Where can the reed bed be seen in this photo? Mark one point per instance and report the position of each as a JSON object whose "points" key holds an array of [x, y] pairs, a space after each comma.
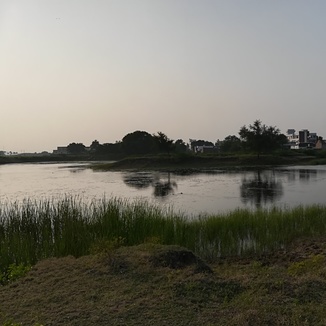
{"points": [[31, 231]]}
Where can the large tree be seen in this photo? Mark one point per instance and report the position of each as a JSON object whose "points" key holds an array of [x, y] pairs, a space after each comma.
{"points": [[259, 138], [76, 148], [138, 142]]}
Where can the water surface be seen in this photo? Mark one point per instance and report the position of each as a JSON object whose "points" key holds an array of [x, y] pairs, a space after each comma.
{"points": [[200, 193]]}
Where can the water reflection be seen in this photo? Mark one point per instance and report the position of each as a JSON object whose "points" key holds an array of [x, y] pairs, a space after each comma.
{"points": [[197, 191], [163, 188], [261, 188], [303, 175], [140, 180]]}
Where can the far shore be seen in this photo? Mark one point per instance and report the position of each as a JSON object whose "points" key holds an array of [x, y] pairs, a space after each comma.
{"points": [[165, 162], [202, 162]]}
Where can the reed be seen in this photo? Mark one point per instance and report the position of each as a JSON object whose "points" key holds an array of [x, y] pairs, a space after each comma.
{"points": [[31, 231]]}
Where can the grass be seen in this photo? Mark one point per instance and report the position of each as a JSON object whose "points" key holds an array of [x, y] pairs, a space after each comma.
{"points": [[127, 286], [32, 231]]}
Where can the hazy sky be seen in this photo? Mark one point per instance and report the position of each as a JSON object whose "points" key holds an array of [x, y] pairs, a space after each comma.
{"points": [[79, 70]]}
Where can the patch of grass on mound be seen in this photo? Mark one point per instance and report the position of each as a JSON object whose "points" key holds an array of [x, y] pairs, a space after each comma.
{"points": [[152, 284]]}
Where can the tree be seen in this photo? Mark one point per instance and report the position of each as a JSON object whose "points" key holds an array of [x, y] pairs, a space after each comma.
{"points": [[138, 142], [109, 148], [231, 144], [76, 148], [180, 146], [259, 137], [95, 145], [164, 144]]}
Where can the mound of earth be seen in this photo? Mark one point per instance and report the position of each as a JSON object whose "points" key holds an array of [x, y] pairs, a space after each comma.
{"points": [[117, 288], [169, 285]]}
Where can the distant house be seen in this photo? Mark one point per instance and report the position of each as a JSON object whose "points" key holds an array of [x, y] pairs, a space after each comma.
{"points": [[61, 150], [293, 139], [64, 150], [205, 149], [321, 144], [305, 139]]}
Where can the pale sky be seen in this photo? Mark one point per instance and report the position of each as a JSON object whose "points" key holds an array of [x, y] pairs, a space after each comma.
{"points": [[79, 70]]}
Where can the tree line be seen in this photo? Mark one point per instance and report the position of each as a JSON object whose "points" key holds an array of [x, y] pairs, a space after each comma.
{"points": [[256, 137]]}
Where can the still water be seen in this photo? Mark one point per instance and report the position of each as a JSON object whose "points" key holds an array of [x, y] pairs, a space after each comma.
{"points": [[193, 194]]}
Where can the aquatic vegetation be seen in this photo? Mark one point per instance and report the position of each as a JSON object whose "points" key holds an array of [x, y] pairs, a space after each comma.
{"points": [[31, 231]]}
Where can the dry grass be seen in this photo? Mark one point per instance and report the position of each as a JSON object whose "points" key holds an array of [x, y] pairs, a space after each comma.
{"points": [[162, 285]]}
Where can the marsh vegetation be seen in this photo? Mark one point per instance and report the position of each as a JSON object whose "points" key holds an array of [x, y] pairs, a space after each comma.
{"points": [[114, 261], [32, 231]]}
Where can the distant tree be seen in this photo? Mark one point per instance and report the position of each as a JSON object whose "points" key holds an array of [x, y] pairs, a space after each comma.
{"points": [[163, 143], [138, 142], [259, 137], [231, 144], [95, 145], [180, 146], [76, 148], [109, 148]]}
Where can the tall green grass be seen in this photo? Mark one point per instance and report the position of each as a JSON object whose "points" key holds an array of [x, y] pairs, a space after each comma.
{"points": [[31, 231]]}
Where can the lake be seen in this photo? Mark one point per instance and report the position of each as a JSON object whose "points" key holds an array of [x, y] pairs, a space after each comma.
{"points": [[198, 193]]}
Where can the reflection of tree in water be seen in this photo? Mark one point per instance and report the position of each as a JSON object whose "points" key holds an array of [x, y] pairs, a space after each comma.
{"points": [[139, 180], [306, 174], [142, 180], [164, 188], [77, 170], [261, 189]]}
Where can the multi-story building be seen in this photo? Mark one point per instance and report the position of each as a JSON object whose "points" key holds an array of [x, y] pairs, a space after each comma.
{"points": [[293, 139], [304, 139]]}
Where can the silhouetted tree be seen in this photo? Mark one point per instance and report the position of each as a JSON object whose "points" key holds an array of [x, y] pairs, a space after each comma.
{"points": [[180, 146], [164, 144], [95, 145], [259, 137], [76, 148], [138, 142], [109, 148]]}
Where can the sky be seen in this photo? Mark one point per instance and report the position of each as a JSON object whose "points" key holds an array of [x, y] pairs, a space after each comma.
{"points": [[80, 70]]}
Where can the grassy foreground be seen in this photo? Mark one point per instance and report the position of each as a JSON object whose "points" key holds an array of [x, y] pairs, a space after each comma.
{"points": [[32, 231], [156, 285], [144, 267]]}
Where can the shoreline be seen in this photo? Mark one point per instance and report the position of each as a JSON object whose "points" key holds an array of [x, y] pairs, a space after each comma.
{"points": [[200, 163]]}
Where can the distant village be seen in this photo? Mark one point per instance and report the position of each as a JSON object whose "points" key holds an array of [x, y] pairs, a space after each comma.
{"points": [[304, 139], [301, 140]]}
